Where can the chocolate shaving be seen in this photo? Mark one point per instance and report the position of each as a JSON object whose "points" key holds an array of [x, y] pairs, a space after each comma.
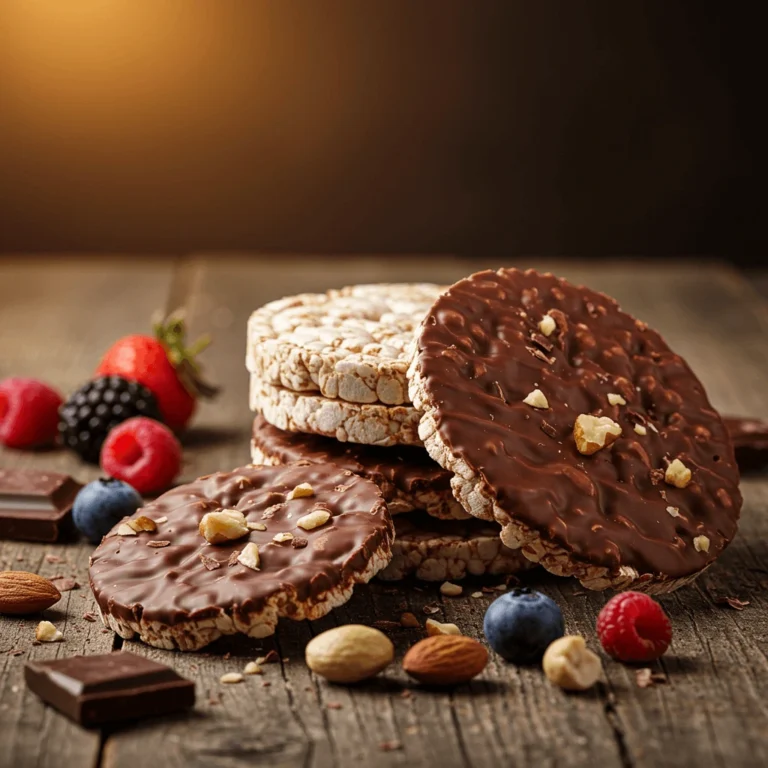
{"points": [[209, 563], [384, 624], [538, 353], [732, 602], [271, 658], [52, 559], [390, 746], [542, 341], [89, 616], [548, 430], [500, 391], [158, 544], [431, 609], [333, 705]]}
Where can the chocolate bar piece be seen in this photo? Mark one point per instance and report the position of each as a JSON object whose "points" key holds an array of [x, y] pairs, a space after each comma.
{"points": [[110, 687], [750, 440], [34, 505]]}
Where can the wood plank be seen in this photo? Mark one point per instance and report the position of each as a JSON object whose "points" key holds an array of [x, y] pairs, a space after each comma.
{"points": [[711, 712], [56, 318]]}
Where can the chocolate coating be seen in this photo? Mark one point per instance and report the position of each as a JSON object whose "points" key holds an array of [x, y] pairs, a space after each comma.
{"points": [[190, 579], [405, 468], [481, 352], [750, 439]]}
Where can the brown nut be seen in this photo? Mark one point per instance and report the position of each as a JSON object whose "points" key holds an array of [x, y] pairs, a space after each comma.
{"points": [[22, 592], [592, 433], [445, 660], [570, 664], [349, 653]]}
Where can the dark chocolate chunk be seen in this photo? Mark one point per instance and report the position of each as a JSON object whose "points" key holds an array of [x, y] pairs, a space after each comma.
{"points": [[750, 439], [598, 511], [109, 688], [36, 506]]}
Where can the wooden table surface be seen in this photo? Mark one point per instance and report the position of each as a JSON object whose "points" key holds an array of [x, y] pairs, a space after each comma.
{"points": [[59, 314]]}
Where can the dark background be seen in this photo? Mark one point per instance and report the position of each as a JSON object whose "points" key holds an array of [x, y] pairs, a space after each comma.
{"points": [[584, 128]]}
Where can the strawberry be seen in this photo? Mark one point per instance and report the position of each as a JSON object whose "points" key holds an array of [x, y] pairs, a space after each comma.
{"points": [[164, 366]]}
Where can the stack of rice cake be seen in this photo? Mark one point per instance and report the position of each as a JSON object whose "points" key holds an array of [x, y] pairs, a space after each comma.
{"points": [[328, 383]]}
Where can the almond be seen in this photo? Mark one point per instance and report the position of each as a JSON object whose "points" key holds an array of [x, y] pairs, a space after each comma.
{"points": [[445, 660], [349, 653], [23, 592]]}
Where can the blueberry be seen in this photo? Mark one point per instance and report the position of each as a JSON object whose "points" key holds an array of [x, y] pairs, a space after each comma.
{"points": [[101, 505], [521, 624]]}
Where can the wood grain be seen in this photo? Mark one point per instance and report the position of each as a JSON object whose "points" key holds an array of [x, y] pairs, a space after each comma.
{"points": [[56, 319], [711, 710]]}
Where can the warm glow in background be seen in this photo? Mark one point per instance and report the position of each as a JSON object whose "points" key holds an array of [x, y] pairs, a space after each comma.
{"points": [[418, 125]]}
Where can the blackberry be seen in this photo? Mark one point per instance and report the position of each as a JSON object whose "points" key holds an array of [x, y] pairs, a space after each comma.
{"points": [[87, 417]]}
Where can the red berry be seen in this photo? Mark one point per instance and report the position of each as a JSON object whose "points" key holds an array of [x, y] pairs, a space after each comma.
{"points": [[634, 627], [29, 413], [142, 452], [165, 366], [144, 359]]}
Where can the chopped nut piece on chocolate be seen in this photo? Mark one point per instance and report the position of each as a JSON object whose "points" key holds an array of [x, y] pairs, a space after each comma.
{"points": [[409, 620], [210, 563], [161, 520], [431, 609], [437, 628], [125, 530], [281, 538], [249, 557], [224, 525], [547, 325], [256, 527], [158, 544], [592, 433], [47, 633], [678, 474], [536, 399], [252, 668], [450, 590], [616, 399], [232, 560], [300, 491], [231, 677], [143, 523], [674, 511], [314, 519], [298, 543], [476, 594], [640, 429], [270, 658], [701, 543]]}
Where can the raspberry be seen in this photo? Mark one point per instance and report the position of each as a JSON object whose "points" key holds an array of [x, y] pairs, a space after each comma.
{"points": [[142, 452], [29, 413], [634, 627]]}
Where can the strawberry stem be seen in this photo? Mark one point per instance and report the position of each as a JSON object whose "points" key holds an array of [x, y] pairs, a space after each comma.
{"points": [[172, 334]]}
